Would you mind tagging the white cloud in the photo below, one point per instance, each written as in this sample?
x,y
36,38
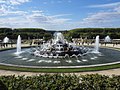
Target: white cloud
x,y
37,11
103,16
9,13
38,19
109,18
2,8
34,18
2,1
13,2
102,19
17,2
56,1
44,19
117,9
6,11
7,7
109,5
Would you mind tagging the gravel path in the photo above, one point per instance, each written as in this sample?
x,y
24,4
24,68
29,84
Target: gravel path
x,y
104,72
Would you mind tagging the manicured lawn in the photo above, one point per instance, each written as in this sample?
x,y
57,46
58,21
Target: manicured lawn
x,y
56,70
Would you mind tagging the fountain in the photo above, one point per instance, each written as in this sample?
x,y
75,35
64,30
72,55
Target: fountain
x,y
58,48
107,39
96,47
6,40
58,52
18,45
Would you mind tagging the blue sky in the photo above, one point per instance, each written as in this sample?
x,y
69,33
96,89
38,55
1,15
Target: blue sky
x,y
59,14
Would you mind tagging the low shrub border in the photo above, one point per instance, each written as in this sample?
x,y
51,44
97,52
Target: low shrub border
x,y
60,82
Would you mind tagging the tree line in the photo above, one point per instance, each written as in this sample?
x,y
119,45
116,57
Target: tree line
x,y
91,33
34,33
26,33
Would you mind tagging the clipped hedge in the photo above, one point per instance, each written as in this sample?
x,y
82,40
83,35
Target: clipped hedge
x,y
60,82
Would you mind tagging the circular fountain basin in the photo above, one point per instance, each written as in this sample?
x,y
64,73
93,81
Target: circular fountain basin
x,y
26,59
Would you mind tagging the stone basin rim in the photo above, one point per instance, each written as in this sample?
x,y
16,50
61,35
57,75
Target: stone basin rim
x,y
85,66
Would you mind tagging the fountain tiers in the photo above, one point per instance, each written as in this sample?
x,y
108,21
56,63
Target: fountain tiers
x,y
58,47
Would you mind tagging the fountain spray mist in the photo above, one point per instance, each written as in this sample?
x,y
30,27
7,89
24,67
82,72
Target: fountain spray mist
x,y
19,44
96,48
6,40
107,39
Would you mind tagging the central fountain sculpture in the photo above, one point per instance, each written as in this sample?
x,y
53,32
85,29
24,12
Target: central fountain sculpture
x,y
60,48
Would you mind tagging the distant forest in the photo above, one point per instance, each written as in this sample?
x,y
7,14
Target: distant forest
x,y
34,33
91,33
26,33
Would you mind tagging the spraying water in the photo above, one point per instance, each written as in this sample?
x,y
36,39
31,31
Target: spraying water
x,y
19,44
6,40
58,48
96,48
58,37
107,39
